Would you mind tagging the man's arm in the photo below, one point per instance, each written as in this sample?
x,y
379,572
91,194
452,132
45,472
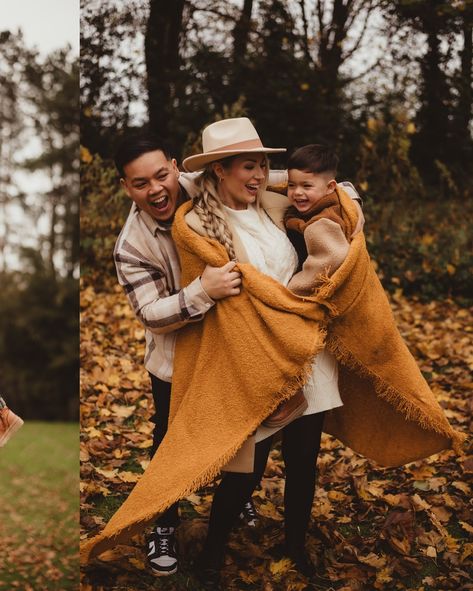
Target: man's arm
x,y
146,288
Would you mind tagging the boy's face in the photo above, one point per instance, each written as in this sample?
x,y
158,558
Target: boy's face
x,y
151,181
305,189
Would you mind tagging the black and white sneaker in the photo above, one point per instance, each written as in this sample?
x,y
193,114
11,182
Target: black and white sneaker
x,y
161,551
249,514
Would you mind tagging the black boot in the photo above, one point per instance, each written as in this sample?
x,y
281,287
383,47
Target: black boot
x,y
208,570
301,560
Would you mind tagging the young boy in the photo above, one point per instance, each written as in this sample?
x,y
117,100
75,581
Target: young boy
x,y
9,422
314,222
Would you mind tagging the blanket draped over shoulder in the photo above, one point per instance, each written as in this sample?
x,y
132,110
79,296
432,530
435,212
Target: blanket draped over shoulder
x,y
254,350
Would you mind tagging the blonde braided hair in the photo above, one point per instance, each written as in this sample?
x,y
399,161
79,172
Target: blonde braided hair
x,y
209,209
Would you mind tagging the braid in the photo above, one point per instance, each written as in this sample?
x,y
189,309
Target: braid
x,y
208,208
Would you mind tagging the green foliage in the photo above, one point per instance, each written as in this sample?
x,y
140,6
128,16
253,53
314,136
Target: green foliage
x,y
104,208
423,247
385,168
39,341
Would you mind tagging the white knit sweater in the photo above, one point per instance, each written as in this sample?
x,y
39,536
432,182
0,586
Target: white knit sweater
x,y
271,252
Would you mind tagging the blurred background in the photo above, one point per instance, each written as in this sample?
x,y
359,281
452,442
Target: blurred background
x,y
388,82
39,295
39,212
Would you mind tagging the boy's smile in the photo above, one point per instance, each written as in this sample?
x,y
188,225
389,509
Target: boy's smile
x,y
306,189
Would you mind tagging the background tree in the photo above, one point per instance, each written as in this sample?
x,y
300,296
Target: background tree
x,y
39,300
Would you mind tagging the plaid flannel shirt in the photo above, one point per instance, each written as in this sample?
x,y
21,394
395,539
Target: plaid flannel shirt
x,y
148,269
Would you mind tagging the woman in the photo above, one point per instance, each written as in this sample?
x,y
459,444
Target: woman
x,y
228,210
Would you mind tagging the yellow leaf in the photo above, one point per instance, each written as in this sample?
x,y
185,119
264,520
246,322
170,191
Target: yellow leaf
x,y
372,124
419,503
373,560
431,552
123,411
304,86
335,495
427,239
129,476
462,486
466,526
280,567
269,510
467,551
384,575
137,563
106,473
144,464
85,155
93,432
451,269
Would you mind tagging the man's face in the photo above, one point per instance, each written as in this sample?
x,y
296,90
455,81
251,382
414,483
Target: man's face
x,y
151,181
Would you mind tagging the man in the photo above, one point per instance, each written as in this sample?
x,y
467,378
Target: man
x,y
148,269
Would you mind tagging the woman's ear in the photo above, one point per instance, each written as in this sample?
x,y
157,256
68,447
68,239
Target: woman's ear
x,y
218,170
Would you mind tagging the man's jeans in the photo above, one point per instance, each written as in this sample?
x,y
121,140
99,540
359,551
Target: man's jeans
x,y
162,397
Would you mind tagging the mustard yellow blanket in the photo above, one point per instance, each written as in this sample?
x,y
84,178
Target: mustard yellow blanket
x,y
254,350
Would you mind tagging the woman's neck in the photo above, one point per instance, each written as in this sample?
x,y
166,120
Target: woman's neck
x,y
231,202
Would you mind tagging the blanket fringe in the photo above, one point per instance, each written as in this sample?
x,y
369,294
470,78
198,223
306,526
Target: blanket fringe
x,y
325,290
411,411
208,475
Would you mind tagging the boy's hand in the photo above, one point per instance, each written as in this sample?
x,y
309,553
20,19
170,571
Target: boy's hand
x,y
361,220
221,282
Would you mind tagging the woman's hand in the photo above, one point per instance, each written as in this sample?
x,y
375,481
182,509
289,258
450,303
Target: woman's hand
x,y
221,282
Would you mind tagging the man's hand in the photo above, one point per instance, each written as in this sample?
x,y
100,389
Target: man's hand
x,y
221,282
361,220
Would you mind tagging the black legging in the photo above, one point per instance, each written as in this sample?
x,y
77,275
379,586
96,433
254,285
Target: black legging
x,y
300,448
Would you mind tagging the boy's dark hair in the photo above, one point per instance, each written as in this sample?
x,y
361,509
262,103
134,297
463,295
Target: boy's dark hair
x,y
135,145
314,158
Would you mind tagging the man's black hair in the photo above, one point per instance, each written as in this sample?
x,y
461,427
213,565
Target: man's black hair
x,y
314,158
135,145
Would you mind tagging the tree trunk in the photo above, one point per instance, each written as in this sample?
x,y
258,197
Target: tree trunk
x,y
162,40
241,34
464,107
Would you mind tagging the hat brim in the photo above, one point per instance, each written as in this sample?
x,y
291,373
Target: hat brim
x,y
198,161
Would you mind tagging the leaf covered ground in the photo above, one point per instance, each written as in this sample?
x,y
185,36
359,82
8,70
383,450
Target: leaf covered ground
x,y
39,514
388,529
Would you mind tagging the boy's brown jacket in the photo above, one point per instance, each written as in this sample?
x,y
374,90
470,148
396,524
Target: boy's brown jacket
x,y
254,350
326,235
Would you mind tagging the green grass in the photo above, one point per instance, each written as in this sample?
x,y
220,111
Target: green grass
x,y
39,527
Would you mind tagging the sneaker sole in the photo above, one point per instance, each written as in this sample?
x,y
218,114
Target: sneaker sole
x,y
165,573
12,429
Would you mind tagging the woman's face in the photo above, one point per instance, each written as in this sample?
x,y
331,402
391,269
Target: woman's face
x,y
241,180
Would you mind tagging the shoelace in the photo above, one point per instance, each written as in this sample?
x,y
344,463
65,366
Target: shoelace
x,y
164,542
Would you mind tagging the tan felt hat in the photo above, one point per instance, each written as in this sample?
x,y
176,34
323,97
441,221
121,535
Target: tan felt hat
x,y
228,137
